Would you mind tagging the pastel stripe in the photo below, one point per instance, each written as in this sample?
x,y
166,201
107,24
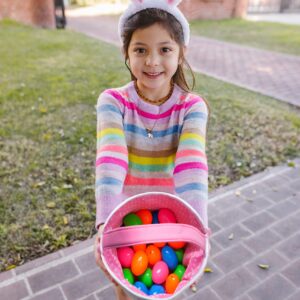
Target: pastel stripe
x,y
113,148
108,180
151,168
132,180
189,153
142,160
110,131
190,187
112,160
132,106
190,165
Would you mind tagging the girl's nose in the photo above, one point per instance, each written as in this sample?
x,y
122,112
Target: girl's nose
x,y
152,60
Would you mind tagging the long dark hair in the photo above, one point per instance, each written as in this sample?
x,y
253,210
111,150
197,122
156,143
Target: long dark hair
x,y
148,17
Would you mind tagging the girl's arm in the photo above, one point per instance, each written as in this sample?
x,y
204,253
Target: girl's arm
x,y
112,155
191,170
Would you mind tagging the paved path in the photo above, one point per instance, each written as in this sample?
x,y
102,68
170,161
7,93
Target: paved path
x,y
254,221
270,73
284,18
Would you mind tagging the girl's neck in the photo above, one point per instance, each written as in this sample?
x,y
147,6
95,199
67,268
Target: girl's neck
x,y
154,96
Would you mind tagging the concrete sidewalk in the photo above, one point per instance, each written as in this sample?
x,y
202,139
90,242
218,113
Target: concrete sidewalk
x,y
269,73
254,221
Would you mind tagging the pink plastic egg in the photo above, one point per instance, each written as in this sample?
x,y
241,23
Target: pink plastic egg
x,y
160,272
165,215
125,255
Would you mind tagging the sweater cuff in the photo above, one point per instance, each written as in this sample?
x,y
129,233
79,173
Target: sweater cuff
x,y
105,204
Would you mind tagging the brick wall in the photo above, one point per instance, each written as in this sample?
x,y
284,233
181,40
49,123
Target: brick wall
x,y
213,9
31,12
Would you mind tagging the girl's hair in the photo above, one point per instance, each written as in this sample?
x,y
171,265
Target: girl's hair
x,y
148,17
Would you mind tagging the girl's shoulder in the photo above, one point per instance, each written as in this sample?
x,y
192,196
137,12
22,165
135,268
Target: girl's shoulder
x,y
117,95
193,100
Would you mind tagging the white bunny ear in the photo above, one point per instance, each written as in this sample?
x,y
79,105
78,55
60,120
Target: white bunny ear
x,y
137,2
173,2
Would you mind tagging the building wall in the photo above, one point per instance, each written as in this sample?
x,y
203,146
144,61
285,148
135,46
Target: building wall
x,y
214,9
31,12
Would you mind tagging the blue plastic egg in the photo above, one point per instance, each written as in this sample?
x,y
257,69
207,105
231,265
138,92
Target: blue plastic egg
x,y
156,289
169,257
155,217
141,286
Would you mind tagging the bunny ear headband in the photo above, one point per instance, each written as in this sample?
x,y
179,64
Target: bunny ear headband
x,y
169,6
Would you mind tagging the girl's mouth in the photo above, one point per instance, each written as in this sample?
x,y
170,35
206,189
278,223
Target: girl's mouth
x,y
153,75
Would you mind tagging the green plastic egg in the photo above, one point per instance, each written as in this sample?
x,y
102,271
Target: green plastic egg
x,y
179,254
128,275
146,278
179,271
132,219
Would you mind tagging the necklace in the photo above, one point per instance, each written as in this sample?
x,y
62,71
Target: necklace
x,y
159,101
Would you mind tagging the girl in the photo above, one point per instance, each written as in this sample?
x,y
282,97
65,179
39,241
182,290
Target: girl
x,y
151,132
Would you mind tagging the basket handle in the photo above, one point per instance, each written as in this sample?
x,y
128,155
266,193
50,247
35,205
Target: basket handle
x,y
153,233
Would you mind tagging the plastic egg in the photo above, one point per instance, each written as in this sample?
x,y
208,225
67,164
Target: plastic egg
x,y
160,272
171,283
165,215
141,286
131,220
146,277
159,245
145,215
177,245
153,254
139,263
179,271
125,255
179,254
128,275
141,247
155,217
169,257
156,289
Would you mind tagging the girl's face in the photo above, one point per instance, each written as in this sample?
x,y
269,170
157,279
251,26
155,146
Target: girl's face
x,y
153,59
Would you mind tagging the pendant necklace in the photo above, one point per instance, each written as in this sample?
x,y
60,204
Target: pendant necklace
x,y
157,102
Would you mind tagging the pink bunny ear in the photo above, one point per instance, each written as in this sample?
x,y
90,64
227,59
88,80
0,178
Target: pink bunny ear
x,y
173,2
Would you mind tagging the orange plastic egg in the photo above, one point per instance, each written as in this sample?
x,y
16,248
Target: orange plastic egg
x,y
139,263
171,283
141,247
145,215
153,254
160,245
176,245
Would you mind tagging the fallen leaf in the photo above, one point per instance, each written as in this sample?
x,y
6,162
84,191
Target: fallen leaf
x,y
263,266
66,220
45,227
238,193
38,184
51,204
231,236
43,109
67,186
10,267
208,270
291,164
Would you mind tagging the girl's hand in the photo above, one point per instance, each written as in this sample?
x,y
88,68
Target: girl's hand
x,y
98,255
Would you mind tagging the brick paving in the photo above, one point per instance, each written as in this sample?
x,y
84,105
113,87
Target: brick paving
x,y
269,73
255,221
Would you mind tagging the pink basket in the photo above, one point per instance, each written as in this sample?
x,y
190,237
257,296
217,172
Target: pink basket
x,y
189,228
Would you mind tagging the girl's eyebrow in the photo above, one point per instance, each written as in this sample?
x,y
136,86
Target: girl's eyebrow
x,y
161,43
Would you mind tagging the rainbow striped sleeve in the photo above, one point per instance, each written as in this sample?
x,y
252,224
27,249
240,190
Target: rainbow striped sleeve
x,y
191,171
112,155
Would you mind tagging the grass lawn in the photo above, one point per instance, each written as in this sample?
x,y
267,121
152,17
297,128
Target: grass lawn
x,y
49,84
265,35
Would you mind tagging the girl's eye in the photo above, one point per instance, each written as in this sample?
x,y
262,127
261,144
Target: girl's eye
x,y
165,49
140,50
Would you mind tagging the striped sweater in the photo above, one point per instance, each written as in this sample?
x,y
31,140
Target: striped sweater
x,y
128,162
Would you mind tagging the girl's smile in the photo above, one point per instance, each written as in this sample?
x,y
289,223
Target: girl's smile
x,y
153,59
